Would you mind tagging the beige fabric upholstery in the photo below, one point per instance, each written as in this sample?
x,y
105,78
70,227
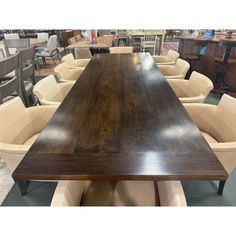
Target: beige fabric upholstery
x,y
219,123
66,74
169,59
82,53
49,92
121,50
177,71
193,90
19,127
68,193
171,193
118,193
72,62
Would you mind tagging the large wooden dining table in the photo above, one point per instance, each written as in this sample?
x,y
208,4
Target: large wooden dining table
x,y
120,121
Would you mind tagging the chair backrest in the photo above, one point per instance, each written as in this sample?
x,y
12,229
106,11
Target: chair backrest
x,y
200,83
63,72
78,37
71,40
12,36
15,123
172,55
11,85
121,50
68,58
48,89
149,39
43,36
182,67
13,45
82,53
224,128
52,43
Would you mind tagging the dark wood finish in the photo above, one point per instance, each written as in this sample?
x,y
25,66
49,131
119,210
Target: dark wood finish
x,y
221,187
121,120
217,49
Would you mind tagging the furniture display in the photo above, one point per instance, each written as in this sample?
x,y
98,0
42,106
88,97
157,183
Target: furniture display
x,y
49,92
66,74
121,50
20,127
148,43
12,36
71,40
72,62
209,50
82,53
169,59
119,193
12,46
177,71
43,35
217,124
116,124
193,90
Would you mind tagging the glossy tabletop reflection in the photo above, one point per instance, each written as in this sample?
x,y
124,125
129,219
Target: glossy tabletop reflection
x,y
121,120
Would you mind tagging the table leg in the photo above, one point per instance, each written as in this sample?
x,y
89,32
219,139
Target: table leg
x,y
221,187
23,185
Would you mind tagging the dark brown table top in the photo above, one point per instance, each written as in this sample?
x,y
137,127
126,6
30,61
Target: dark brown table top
x,y
121,120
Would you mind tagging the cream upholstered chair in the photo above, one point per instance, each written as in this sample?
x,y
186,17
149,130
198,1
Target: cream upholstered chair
x,y
217,124
177,71
67,74
49,92
195,89
121,50
20,127
120,193
72,62
169,59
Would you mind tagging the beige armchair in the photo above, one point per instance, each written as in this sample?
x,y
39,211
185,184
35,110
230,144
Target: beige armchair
x,y
49,92
72,62
193,90
66,74
20,127
169,59
217,124
177,71
115,50
120,193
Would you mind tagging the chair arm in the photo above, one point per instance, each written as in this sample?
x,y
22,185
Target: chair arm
x,y
224,147
40,115
165,69
46,102
197,99
14,148
65,88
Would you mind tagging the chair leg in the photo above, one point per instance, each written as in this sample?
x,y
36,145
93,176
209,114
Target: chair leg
x,y
221,187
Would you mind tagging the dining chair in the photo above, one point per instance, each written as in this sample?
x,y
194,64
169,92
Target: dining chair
x,y
169,59
217,125
49,92
20,127
26,75
148,43
119,50
11,36
71,40
72,62
12,46
50,51
118,193
9,78
177,71
66,74
193,90
82,53
43,35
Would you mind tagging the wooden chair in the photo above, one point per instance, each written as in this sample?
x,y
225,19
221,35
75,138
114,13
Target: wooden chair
x,y
26,74
9,85
12,46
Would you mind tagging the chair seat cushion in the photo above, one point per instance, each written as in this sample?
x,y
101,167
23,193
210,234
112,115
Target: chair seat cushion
x,y
208,137
119,193
31,140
